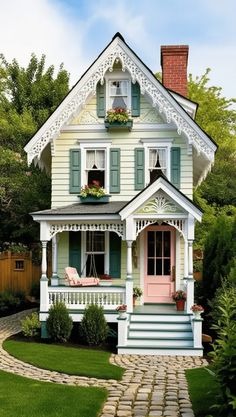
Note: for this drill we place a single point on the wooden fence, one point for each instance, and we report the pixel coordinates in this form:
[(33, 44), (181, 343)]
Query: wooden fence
[(18, 272)]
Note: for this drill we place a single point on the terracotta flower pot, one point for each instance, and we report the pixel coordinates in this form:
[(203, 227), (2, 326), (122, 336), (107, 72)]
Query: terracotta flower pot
[(180, 305), (134, 300)]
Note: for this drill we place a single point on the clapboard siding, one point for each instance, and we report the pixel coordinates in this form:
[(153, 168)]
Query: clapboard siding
[(126, 142), (63, 253)]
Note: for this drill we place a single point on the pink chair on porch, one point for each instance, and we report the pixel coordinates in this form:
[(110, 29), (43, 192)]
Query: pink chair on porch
[(74, 280)]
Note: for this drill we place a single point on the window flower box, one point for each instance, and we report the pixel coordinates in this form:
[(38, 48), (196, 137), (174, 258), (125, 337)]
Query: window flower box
[(93, 193), (119, 125), (89, 199), (118, 118)]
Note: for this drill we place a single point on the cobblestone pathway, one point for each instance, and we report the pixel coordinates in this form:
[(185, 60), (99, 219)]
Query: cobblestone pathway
[(152, 386)]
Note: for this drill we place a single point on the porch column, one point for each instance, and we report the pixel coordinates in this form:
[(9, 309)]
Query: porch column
[(190, 280), (54, 279), (185, 258), (129, 278), (44, 279)]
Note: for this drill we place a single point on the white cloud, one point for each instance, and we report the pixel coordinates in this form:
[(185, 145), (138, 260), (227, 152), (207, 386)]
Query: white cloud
[(50, 27), (38, 26)]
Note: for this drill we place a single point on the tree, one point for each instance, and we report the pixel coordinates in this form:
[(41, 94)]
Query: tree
[(27, 97), (220, 249), (216, 117)]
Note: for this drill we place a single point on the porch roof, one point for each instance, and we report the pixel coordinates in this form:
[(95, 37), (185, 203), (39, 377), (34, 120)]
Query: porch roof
[(82, 209)]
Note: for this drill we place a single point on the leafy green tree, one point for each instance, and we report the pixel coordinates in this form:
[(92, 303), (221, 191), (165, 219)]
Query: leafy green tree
[(27, 98), (219, 254), (217, 118)]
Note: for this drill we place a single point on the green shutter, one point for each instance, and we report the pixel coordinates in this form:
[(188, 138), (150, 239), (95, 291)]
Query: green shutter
[(175, 167), (101, 100), (135, 99), (75, 170), (75, 250), (114, 170), (139, 169), (115, 255)]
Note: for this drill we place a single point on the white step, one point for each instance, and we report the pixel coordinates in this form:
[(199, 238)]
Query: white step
[(141, 325), (163, 351), (159, 333), (154, 342), (160, 318)]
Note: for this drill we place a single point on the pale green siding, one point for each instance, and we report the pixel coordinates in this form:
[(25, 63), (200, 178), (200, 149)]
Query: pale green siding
[(63, 253), (126, 141), (123, 266)]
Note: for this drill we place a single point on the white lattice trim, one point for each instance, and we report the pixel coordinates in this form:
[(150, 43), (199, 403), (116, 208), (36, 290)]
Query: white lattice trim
[(118, 228), (143, 223), (178, 225), (86, 87)]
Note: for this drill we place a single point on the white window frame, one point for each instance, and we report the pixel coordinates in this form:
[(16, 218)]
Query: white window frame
[(87, 170), (84, 252), (153, 143), (90, 145), (117, 76)]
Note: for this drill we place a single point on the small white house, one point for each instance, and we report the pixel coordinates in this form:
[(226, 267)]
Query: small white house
[(143, 234)]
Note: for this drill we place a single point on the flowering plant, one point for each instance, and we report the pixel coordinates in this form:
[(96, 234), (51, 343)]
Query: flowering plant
[(197, 307), (118, 114), (105, 277), (93, 189), (123, 307), (137, 292), (179, 295)]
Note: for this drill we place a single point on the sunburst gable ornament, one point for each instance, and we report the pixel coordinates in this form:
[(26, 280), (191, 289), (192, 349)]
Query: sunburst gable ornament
[(159, 205)]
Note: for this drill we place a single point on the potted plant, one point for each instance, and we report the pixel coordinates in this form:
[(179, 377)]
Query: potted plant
[(197, 310), (137, 292), (122, 310), (179, 297), (117, 118), (197, 269), (93, 193)]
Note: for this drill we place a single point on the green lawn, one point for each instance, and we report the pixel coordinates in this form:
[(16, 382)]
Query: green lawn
[(203, 389), (69, 360), (23, 397)]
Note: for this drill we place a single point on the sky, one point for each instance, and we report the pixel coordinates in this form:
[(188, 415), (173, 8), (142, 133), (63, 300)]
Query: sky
[(76, 31)]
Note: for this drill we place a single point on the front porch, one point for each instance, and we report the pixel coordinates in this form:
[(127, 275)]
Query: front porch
[(151, 236), (156, 329)]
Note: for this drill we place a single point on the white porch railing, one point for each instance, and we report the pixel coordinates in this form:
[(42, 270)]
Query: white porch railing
[(78, 298)]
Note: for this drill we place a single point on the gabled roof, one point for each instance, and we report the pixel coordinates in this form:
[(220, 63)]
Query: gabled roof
[(164, 185), (86, 86)]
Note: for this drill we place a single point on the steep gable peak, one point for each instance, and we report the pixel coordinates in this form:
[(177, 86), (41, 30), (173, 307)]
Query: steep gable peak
[(118, 50)]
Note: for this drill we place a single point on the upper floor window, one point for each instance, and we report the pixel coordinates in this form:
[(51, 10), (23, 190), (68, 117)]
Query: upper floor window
[(119, 95), (95, 166), (157, 162)]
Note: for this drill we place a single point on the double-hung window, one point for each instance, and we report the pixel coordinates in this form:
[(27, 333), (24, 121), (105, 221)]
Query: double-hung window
[(95, 167), (157, 158), (119, 93), (95, 253), (157, 162)]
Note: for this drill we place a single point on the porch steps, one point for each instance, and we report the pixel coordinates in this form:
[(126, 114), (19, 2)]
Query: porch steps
[(160, 334)]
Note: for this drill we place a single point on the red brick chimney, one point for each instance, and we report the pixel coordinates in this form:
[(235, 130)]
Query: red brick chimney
[(174, 60)]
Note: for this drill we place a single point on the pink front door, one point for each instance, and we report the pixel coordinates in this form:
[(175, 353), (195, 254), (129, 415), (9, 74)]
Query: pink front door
[(159, 264)]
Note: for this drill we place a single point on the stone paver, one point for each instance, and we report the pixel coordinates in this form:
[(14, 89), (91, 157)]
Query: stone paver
[(152, 386)]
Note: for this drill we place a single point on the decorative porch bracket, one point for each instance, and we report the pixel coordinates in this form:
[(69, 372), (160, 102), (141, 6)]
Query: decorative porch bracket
[(117, 228)]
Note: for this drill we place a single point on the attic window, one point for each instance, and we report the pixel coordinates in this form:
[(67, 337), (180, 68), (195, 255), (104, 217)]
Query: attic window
[(118, 93)]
